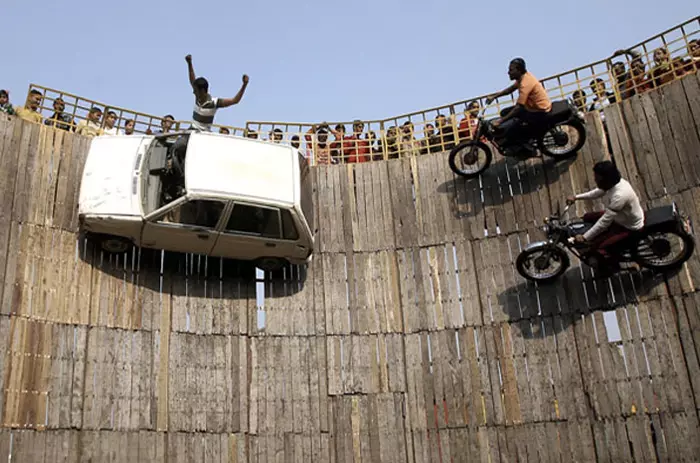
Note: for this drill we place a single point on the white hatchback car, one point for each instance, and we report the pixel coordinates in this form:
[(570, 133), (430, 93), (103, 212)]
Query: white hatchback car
[(234, 197)]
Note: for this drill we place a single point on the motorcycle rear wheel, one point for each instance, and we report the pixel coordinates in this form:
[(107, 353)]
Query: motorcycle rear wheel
[(655, 246), (528, 263), (548, 140)]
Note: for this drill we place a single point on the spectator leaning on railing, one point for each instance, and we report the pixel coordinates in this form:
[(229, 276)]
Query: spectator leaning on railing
[(129, 127), (320, 149), (166, 124), (30, 111), (59, 118), (109, 124), (90, 127), (694, 52), (5, 106)]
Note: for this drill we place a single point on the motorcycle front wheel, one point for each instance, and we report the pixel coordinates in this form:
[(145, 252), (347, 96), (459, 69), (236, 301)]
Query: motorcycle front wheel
[(563, 141), (664, 250), (542, 264), (470, 158)]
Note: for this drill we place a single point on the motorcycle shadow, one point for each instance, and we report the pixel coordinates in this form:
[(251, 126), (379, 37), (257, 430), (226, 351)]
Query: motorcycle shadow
[(503, 180), (181, 274), (540, 311)]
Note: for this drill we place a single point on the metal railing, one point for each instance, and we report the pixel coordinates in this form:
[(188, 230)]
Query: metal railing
[(66, 110), (644, 66), (639, 68)]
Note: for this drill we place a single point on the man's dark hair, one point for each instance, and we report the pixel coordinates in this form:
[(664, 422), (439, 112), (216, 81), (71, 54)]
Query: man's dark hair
[(35, 92), (4, 93), (95, 109), (170, 116), (608, 172), (201, 83), (519, 64), (295, 137), (111, 113)]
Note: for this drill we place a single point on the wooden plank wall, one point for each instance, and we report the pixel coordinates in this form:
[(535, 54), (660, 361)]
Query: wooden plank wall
[(410, 337)]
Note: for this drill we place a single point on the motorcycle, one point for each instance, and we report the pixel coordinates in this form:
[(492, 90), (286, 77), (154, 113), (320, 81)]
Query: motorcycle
[(651, 247), (550, 137)]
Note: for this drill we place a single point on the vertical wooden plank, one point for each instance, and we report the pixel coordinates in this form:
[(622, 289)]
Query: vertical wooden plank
[(647, 162), (163, 337), (402, 203), (682, 175), (662, 150), (10, 137), (624, 155)]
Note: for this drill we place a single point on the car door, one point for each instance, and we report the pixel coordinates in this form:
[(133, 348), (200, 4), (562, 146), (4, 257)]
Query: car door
[(252, 231), (185, 225)]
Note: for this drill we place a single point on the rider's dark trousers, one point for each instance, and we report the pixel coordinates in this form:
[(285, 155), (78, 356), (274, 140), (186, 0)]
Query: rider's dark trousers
[(512, 130), (605, 242)]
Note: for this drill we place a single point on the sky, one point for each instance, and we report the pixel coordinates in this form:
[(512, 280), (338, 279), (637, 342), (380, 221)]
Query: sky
[(309, 60)]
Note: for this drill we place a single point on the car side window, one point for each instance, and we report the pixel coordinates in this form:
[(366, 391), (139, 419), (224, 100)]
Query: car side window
[(289, 229), (197, 212), (253, 220)]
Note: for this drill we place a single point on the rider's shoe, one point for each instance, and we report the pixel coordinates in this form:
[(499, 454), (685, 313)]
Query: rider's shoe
[(632, 267)]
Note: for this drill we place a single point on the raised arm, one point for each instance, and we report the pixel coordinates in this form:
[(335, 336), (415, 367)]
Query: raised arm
[(190, 68), (631, 53), (226, 102)]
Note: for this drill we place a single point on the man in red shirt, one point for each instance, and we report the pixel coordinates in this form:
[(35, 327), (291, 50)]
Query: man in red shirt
[(354, 148)]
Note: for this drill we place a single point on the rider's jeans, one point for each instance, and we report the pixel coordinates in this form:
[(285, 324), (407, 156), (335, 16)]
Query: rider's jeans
[(606, 240)]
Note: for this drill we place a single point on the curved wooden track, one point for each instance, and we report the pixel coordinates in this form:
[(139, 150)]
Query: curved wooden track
[(410, 338)]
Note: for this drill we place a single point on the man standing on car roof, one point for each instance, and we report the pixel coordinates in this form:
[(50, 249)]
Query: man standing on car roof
[(204, 105)]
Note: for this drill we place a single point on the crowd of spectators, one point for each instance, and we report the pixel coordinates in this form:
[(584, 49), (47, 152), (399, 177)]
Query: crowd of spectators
[(96, 122), (326, 144), (401, 141)]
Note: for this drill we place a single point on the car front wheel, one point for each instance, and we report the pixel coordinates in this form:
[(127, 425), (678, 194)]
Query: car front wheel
[(114, 244)]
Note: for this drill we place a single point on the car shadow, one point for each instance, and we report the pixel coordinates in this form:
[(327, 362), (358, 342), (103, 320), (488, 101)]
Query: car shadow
[(157, 269), (540, 311), (503, 180)]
